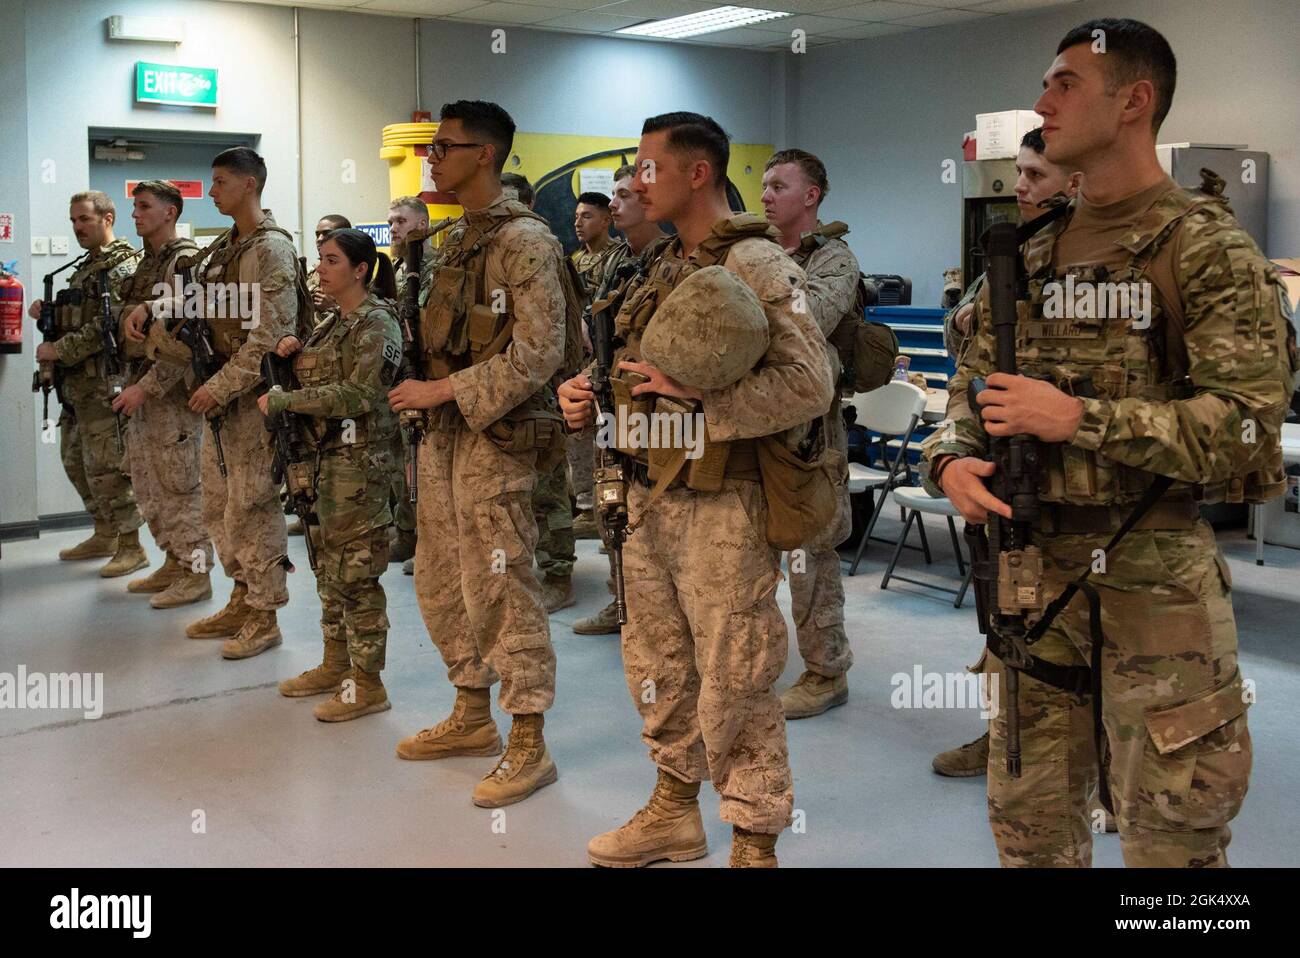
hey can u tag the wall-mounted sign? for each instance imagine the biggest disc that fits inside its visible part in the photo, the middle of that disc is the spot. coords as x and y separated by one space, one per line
190 189
175 85
379 232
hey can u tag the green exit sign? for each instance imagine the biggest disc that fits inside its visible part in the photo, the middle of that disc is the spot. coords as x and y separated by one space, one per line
175 85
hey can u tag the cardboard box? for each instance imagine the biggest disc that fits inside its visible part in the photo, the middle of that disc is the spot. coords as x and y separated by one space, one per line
998 135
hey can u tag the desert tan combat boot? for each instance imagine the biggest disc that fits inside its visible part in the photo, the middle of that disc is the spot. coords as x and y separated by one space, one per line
813 694
226 622
604 622
189 586
668 827
360 693
128 557
525 767
101 544
469 730
159 579
557 593
752 849
967 761
260 632
325 677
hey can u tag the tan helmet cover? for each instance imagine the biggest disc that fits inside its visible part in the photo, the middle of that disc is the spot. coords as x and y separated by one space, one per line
708 332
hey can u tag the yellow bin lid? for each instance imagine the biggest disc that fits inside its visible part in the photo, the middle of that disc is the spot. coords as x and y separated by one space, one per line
409 134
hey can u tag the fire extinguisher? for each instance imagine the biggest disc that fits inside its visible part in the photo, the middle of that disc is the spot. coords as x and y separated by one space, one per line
11 309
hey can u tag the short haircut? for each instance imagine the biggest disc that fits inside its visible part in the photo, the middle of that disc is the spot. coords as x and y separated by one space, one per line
695 133
101 202
244 162
598 200
812 168
412 203
164 191
1034 140
338 220
484 121
627 169
1133 52
519 183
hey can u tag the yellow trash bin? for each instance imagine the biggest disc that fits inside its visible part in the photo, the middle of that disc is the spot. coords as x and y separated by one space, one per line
405 147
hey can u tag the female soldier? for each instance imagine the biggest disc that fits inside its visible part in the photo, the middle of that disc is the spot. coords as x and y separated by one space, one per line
344 373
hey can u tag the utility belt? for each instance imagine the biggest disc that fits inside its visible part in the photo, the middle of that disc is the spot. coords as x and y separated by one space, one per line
519 431
1174 512
737 459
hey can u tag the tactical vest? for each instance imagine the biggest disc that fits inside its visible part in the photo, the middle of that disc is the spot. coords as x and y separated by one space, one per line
865 349
149 272
220 263
1117 357
462 323
638 299
329 356
79 304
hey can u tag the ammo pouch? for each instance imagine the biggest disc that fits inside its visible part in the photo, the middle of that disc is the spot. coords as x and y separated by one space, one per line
802 488
537 429
443 316
488 332
867 351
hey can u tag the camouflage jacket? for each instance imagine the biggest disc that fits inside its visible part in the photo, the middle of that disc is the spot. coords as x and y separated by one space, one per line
1207 413
153 268
115 262
833 275
954 340
523 260
345 370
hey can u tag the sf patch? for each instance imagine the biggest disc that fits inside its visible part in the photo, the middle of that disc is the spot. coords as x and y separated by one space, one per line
392 361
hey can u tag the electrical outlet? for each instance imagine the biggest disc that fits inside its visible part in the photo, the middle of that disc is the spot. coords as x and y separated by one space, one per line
58 246
40 246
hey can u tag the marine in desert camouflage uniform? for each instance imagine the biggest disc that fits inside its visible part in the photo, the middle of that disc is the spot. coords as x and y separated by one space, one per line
705 641
794 185
163 434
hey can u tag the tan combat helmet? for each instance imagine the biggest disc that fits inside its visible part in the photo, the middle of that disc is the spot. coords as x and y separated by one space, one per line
708 332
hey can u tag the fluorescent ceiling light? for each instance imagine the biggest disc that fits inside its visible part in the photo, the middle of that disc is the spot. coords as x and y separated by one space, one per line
708 21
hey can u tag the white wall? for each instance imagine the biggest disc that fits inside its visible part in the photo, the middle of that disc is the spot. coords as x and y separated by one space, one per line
885 113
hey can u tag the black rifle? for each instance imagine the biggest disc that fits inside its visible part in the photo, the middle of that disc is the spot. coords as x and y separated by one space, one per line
1008 567
114 371
194 333
50 376
610 477
408 314
292 465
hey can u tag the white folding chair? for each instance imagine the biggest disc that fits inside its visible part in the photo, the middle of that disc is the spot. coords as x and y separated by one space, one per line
1290 456
893 411
916 502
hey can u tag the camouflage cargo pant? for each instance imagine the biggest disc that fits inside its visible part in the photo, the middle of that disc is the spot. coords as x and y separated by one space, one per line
553 513
91 458
164 441
473 567
242 509
705 642
1173 708
353 605
580 451
816 589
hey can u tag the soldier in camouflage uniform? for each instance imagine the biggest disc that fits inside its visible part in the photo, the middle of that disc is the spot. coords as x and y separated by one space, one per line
344 373
1192 386
794 185
1037 180
163 434
88 443
492 333
705 641
256 260
642 242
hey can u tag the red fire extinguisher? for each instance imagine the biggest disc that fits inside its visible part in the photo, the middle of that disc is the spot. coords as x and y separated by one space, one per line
11 309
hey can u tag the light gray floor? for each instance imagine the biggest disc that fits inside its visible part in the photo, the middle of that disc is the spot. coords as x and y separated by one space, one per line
185 731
